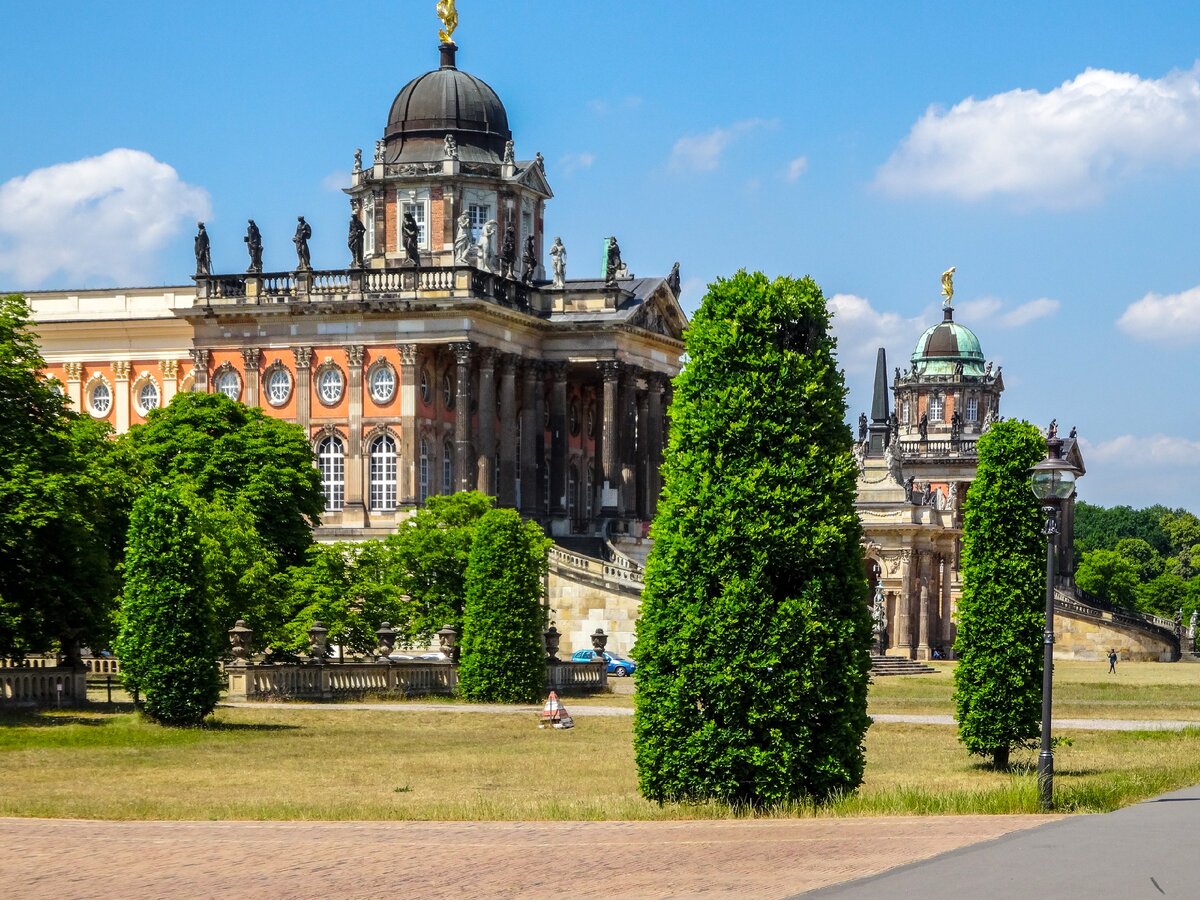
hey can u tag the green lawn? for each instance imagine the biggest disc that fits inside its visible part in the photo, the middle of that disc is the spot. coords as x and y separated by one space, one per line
290 763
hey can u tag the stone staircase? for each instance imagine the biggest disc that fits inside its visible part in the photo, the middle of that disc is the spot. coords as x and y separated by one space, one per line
898 665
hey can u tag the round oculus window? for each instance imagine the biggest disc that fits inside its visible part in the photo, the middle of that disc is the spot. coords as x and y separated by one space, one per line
329 386
148 397
383 383
279 386
229 384
448 390
101 399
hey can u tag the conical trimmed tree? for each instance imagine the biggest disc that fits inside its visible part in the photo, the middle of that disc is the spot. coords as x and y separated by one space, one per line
1001 614
166 644
753 645
503 660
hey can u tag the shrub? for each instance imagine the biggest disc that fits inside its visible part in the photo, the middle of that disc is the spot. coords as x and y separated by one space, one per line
166 643
753 645
502 652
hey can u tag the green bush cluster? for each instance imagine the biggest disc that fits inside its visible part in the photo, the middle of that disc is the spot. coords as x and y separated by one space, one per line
502 651
1001 613
753 643
167 643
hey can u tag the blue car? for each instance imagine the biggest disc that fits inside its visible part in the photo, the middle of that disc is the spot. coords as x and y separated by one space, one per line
618 666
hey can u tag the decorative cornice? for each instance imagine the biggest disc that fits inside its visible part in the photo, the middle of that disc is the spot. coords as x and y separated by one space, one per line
250 356
73 370
200 357
408 354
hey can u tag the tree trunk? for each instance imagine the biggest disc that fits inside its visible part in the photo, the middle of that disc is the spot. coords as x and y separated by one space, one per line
1000 758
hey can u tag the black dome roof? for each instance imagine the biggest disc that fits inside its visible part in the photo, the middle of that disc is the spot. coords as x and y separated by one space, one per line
446 101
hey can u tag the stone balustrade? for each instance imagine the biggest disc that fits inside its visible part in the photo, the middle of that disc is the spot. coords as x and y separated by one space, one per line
42 686
625 572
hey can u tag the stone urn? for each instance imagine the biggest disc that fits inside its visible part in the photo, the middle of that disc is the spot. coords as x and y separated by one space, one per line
239 642
318 635
552 641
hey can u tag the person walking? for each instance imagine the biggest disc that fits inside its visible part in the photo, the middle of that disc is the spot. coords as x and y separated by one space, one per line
1112 662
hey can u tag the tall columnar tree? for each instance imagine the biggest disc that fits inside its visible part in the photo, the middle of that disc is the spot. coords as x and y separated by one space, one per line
753 644
1001 614
167 642
502 655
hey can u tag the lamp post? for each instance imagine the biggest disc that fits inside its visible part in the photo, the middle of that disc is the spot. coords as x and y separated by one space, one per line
1052 481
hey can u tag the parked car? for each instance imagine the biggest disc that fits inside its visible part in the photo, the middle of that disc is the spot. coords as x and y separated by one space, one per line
618 666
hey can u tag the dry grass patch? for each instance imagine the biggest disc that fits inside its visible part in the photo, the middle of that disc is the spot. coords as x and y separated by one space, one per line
344 765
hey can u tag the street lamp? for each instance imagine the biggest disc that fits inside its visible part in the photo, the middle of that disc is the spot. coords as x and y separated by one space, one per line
1052 480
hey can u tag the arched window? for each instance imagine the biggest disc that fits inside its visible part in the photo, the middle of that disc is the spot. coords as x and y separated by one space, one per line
331 463
448 468
229 384
424 470
148 397
383 474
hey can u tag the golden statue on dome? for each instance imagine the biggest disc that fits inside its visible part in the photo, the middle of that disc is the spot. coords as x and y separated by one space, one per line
449 16
948 288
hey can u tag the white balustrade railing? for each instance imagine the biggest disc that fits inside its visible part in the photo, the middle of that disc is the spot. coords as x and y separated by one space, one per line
43 686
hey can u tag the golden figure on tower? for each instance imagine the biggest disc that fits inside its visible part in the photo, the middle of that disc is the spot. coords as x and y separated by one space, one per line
948 287
449 16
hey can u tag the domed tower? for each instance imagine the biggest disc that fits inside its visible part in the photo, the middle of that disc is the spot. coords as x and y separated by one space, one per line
949 392
447 153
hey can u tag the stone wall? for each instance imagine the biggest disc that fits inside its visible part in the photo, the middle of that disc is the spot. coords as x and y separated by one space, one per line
586 594
1087 637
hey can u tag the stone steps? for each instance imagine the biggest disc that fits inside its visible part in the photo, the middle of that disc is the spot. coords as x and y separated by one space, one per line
898 665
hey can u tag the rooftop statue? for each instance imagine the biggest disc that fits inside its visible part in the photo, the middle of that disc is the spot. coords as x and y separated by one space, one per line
300 239
529 259
355 239
463 246
203 251
409 234
253 241
948 288
558 257
449 16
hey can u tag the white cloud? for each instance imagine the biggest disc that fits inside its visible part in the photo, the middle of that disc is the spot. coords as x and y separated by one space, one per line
1133 451
1058 149
996 311
1169 318
796 168
574 162
861 330
702 152
102 217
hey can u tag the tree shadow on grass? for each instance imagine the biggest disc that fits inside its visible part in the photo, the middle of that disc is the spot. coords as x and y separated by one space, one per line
247 726
42 720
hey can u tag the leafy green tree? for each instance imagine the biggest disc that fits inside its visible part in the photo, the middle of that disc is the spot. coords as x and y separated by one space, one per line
427 559
753 642
1099 528
167 640
1163 595
346 588
1001 614
238 455
1110 576
1146 560
63 506
502 653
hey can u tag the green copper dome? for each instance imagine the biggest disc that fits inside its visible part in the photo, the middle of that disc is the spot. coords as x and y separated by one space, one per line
941 348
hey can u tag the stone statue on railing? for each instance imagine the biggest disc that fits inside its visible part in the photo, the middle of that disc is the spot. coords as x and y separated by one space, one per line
509 154
893 458
1177 623
508 254
599 642
446 642
253 241
529 260
923 426
379 148
409 234
203 251
612 261
485 250
955 426
859 451
862 426
318 635
464 246
239 642
358 160
558 263
300 239
355 239
674 280
908 488
1052 431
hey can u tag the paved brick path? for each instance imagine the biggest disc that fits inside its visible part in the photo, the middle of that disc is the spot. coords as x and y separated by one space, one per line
745 859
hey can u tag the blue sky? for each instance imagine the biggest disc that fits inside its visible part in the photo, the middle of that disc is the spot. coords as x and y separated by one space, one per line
1051 152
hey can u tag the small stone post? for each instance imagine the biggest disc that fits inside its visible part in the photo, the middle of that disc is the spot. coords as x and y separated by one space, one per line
241 676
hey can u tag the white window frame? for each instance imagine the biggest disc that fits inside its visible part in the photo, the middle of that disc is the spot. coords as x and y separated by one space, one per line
420 208
383 474
223 380
972 411
322 380
373 374
447 467
423 471
937 408
331 463
368 221
905 412
148 384
99 411
272 381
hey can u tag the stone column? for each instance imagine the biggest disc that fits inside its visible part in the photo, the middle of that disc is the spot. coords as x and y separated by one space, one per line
609 472
354 513
903 642
627 428
947 604
558 444
654 440
531 422
463 464
200 381
643 456
170 374
539 440
485 448
250 357
303 388
406 459
74 385
121 395
923 620
506 478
